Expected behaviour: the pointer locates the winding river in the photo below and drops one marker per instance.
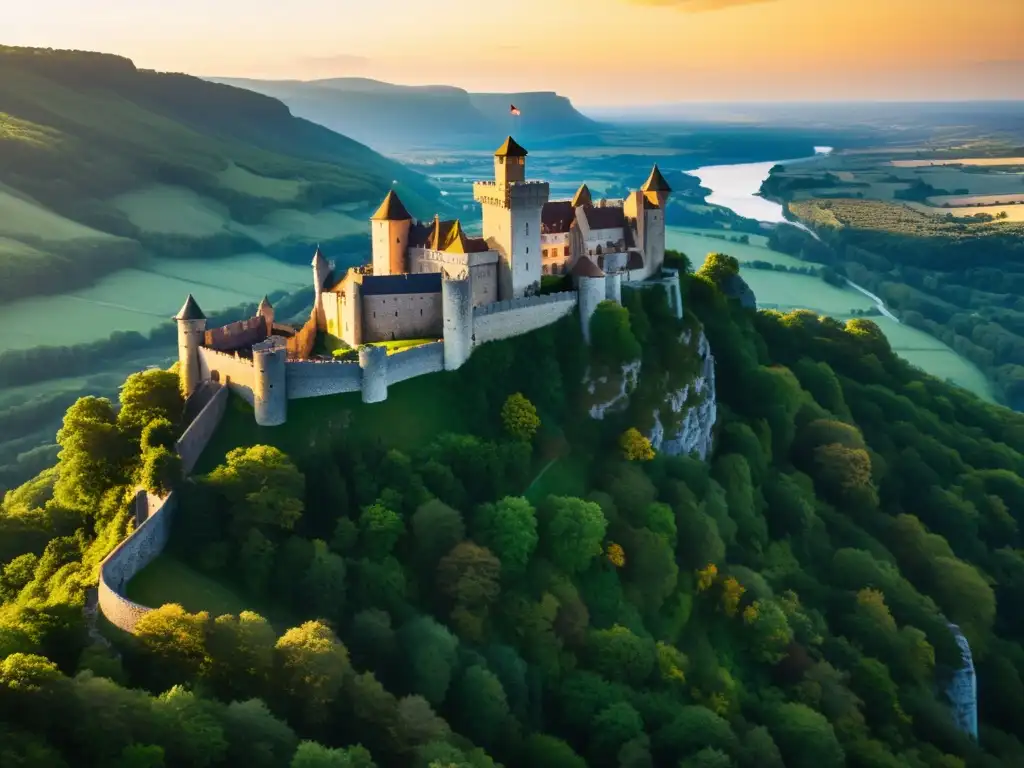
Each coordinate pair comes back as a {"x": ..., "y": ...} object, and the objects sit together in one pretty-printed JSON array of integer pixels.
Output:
[{"x": 737, "y": 187}]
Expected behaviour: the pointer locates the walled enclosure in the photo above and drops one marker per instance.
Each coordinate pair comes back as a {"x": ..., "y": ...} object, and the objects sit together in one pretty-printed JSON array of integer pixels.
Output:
[{"x": 153, "y": 520}]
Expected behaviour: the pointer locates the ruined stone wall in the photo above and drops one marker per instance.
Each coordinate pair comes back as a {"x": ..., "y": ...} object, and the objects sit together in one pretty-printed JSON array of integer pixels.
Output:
[
  {"x": 518, "y": 316},
  {"x": 316, "y": 379},
  {"x": 234, "y": 371},
  {"x": 192, "y": 442},
  {"x": 409, "y": 363},
  {"x": 402, "y": 316},
  {"x": 301, "y": 344},
  {"x": 133, "y": 554}
]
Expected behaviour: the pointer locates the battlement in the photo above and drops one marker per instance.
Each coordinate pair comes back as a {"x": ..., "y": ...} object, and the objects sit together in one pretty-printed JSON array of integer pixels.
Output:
[
  {"x": 521, "y": 193},
  {"x": 524, "y": 302}
]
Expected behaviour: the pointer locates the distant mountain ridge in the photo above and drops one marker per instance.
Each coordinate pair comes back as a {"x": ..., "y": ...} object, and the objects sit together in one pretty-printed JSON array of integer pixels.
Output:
[
  {"x": 387, "y": 116},
  {"x": 103, "y": 164}
]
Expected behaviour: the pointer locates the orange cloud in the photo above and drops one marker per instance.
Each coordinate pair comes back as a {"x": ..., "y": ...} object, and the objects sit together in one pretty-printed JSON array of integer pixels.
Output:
[{"x": 697, "y": 6}]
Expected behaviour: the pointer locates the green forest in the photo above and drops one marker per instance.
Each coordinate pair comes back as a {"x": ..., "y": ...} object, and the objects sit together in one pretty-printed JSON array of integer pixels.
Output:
[{"x": 428, "y": 604}]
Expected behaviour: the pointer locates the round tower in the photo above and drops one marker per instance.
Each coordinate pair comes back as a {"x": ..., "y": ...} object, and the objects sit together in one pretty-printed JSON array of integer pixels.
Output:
[
  {"x": 191, "y": 334},
  {"x": 592, "y": 291},
  {"x": 270, "y": 389},
  {"x": 613, "y": 287},
  {"x": 374, "y": 362},
  {"x": 389, "y": 228},
  {"x": 457, "y": 320}
]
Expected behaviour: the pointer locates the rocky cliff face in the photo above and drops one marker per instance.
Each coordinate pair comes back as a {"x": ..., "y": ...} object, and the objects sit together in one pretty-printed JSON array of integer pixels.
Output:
[
  {"x": 698, "y": 406},
  {"x": 684, "y": 422}
]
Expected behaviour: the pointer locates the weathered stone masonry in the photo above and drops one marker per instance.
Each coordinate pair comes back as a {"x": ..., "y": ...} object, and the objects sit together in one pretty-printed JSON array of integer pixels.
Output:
[{"x": 153, "y": 524}]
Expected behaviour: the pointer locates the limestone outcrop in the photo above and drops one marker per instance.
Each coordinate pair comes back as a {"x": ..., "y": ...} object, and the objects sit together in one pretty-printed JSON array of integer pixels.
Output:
[{"x": 694, "y": 406}]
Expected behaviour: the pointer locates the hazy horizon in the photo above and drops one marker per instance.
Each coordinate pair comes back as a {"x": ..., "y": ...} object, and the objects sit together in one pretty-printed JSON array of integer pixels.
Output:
[{"x": 664, "y": 51}]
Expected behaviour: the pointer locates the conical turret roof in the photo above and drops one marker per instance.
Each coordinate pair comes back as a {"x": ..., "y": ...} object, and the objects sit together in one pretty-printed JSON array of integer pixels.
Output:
[
  {"x": 190, "y": 310},
  {"x": 582, "y": 197},
  {"x": 264, "y": 304},
  {"x": 391, "y": 209},
  {"x": 656, "y": 182},
  {"x": 510, "y": 149},
  {"x": 318, "y": 257}
]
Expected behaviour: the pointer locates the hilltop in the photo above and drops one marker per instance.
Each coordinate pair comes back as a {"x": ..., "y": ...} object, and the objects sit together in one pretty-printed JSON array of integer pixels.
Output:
[
  {"x": 395, "y": 117},
  {"x": 103, "y": 164}
]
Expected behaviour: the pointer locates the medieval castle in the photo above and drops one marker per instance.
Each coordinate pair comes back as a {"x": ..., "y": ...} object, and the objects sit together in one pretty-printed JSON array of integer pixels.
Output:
[{"x": 431, "y": 281}]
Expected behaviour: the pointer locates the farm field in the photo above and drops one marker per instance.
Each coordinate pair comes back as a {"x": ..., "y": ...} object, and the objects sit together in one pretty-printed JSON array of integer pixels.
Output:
[
  {"x": 1014, "y": 213},
  {"x": 978, "y": 161},
  {"x": 142, "y": 298},
  {"x": 958, "y": 201},
  {"x": 696, "y": 244}
]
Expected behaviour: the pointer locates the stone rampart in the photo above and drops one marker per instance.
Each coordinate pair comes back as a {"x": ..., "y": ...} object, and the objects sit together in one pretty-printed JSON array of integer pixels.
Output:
[
  {"x": 514, "y": 317},
  {"x": 237, "y": 335},
  {"x": 301, "y": 344},
  {"x": 192, "y": 442},
  {"x": 231, "y": 370},
  {"x": 309, "y": 378},
  {"x": 417, "y": 361},
  {"x": 133, "y": 554}
]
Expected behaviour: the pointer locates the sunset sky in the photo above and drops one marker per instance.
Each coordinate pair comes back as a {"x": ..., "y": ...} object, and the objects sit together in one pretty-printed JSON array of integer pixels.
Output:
[{"x": 598, "y": 52}]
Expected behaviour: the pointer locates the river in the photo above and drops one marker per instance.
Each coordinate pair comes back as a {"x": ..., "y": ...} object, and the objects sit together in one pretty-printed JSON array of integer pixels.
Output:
[{"x": 737, "y": 187}]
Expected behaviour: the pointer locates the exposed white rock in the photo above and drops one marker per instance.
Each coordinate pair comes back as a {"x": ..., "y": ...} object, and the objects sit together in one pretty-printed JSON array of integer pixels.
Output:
[
  {"x": 628, "y": 378},
  {"x": 695, "y": 433}
]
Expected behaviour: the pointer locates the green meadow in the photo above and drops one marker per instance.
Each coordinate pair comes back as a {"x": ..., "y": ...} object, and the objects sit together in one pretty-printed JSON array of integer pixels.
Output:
[{"x": 141, "y": 298}]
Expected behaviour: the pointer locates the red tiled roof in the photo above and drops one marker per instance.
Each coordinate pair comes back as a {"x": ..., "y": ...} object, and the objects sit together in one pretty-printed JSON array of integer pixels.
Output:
[
  {"x": 584, "y": 267},
  {"x": 605, "y": 218},
  {"x": 556, "y": 216}
]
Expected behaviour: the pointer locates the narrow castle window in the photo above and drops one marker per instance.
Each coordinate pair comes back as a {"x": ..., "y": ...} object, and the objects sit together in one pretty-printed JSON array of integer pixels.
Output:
[{"x": 527, "y": 227}]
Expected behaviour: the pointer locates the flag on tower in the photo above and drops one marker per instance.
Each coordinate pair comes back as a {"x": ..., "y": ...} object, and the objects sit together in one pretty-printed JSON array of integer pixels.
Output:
[{"x": 515, "y": 110}]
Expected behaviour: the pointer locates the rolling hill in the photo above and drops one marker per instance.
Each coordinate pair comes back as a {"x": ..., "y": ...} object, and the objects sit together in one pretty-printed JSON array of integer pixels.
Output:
[
  {"x": 103, "y": 164},
  {"x": 398, "y": 117}
]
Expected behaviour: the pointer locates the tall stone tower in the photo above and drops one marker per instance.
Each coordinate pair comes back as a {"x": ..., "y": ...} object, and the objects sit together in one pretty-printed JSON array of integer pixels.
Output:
[
  {"x": 191, "y": 332},
  {"x": 389, "y": 228},
  {"x": 655, "y": 192},
  {"x": 270, "y": 393},
  {"x": 511, "y": 217}
]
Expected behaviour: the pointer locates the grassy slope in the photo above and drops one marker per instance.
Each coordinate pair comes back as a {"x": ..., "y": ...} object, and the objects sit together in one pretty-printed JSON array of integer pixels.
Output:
[{"x": 81, "y": 134}]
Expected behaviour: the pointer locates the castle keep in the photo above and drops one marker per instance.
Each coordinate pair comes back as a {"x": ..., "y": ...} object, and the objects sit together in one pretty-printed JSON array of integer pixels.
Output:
[{"x": 433, "y": 283}]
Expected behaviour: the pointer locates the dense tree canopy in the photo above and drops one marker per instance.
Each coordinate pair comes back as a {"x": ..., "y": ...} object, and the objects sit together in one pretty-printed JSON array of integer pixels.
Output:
[{"x": 491, "y": 599}]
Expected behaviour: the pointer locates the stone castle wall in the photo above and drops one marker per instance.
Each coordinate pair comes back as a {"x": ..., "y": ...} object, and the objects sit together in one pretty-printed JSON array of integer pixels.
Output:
[
  {"x": 234, "y": 371},
  {"x": 317, "y": 379},
  {"x": 417, "y": 361},
  {"x": 138, "y": 550},
  {"x": 195, "y": 437},
  {"x": 301, "y": 344},
  {"x": 504, "y": 319},
  {"x": 242, "y": 333},
  {"x": 401, "y": 316},
  {"x": 153, "y": 524}
]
